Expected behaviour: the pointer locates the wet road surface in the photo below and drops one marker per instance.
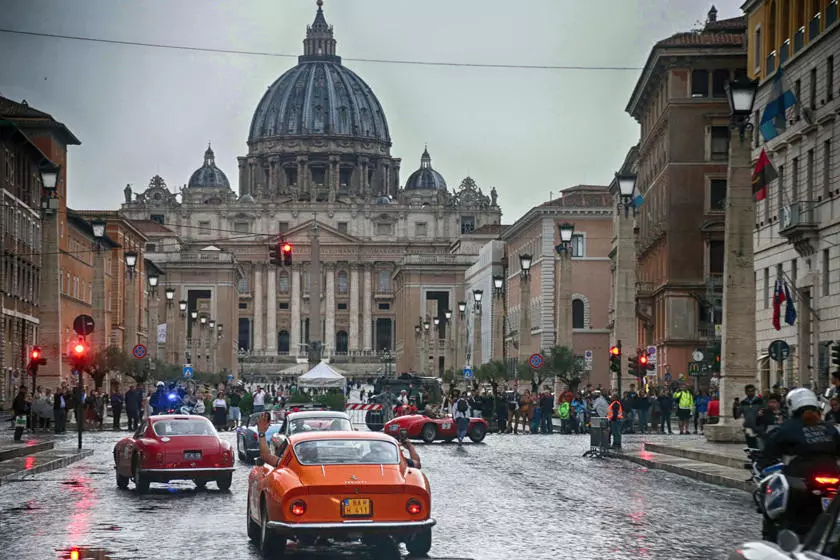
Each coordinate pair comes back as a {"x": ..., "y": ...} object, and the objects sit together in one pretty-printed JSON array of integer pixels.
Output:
[{"x": 521, "y": 496}]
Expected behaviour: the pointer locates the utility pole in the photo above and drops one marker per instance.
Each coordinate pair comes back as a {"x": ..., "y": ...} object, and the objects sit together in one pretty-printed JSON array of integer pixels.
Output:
[{"x": 315, "y": 347}]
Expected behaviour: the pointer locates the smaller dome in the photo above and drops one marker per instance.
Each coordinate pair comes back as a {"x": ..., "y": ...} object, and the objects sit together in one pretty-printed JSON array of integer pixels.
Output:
[
  {"x": 247, "y": 199},
  {"x": 208, "y": 175},
  {"x": 425, "y": 178}
]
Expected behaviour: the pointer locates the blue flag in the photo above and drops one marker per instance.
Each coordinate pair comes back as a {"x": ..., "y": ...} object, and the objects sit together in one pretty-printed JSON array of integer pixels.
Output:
[
  {"x": 790, "y": 310},
  {"x": 774, "y": 119},
  {"x": 638, "y": 200}
]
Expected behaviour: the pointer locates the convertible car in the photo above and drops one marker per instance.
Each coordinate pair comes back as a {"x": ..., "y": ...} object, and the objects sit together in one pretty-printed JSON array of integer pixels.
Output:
[
  {"x": 428, "y": 429},
  {"x": 174, "y": 447},
  {"x": 340, "y": 486}
]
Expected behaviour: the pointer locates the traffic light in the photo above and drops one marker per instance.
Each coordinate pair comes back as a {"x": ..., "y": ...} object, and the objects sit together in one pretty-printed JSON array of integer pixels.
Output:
[
  {"x": 287, "y": 254},
  {"x": 835, "y": 357},
  {"x": 634, "y": 365},
  {"x": 615, "y": 359},
  {"x": 36, "y": 358},
  {"x": 275, "y": 252},
  {"x": 79, "y": 355}
]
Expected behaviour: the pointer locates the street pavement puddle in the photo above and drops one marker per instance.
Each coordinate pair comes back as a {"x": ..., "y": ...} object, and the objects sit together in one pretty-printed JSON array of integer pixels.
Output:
[{"x": 84, "y": 553}]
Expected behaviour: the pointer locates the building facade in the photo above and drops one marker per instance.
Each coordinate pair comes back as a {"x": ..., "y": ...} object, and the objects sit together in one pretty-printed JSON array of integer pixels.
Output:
[
  {"x": 590, "y": 209},
  {"x": 319, "y": 157},
  {"x": 680, "y": 103},
  {"x": 797, "y": 222}
]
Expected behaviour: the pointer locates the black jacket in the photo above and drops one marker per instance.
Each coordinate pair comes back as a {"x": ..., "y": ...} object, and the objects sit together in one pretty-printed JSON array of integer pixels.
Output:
[
  {"x": 814, "y": 448},
  {"x": 19, "y": 405}
]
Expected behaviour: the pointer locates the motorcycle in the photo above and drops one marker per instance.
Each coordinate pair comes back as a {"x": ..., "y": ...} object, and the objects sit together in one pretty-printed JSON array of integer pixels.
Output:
[{"x": 785, "y": 501}]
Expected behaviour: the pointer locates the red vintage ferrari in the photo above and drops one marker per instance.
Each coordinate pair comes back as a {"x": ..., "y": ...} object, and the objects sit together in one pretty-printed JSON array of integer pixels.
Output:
[
  {"x": 428, "y": 429},
  {"x": 174, "y": 447}
]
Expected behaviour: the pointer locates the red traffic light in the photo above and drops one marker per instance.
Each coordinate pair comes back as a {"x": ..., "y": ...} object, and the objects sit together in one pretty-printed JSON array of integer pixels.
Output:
[
  {"x": 79, "y": 349},
  {"x": 643, "y": 359},
  {"x": 35, "y": 354},
  {"x": 615, "y": 351},
  {"x": 287, "y": 247}
]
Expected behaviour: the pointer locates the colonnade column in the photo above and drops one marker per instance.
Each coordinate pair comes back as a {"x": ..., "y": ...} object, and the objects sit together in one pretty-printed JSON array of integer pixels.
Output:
[
  {"x": 271, "y": 307},
  {"x": 329, "y": 303},
  {"x": 258, "y": 309},
  {"x": 294, "y": 338},
  {"x": 354, "y": 307},
  {"x": 367, "y": 294}
]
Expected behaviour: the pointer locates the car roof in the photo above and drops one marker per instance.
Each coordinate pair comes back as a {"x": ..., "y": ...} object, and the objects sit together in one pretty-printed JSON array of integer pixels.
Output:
[
  {"x": 366, "y": 436},
  {"x": 316, "y": 414}
]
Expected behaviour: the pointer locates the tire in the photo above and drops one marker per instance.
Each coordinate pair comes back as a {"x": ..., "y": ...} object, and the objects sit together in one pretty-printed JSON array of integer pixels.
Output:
[
  {"x": 420, "y": 544},
  {"x": 141, "y": 484},
  {"x": 239, "y": 453},
  {"x": 200, "y": 484},
  {"x": 477, "y": 433},
  {"x": 224, "y": 482},
  {"x": 428, "y": 433},
  {"x": 769, "y": 530},
  {"x": 387, "y": 548},
  {"x": 122, "y": 481},
  {"x": 271, "y": 544},
  {"x": 253, "y": 527}
]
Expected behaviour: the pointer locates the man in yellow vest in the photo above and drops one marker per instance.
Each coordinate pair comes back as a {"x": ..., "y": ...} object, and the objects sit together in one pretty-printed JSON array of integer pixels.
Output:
[
  {"x": 685, "y": 404},
  {"x": 615, "y": 414}
]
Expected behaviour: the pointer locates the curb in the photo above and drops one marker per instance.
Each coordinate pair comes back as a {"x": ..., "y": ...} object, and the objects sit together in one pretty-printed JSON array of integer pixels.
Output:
[
  {"x": 697, "y": 455},
  {"x": 695, "y": 474},
  {"x": 24, "y": 449},
  {"x": 47, "y": 466}
]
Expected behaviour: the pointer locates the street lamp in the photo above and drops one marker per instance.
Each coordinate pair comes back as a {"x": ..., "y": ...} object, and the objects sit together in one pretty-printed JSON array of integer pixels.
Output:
[
  {"x": 426, "y": 325},
  {"x": 170, "y": 296},
  {"x": 153, "y": 279},
  {"x": 417, "y": 330},
  {"x": 477, "y": 295},
  {"x": 194, "y": 315},
  {"x": 130, "y": 262},
  {"x": 98, "y": 229},
  {"x": 498, "y": 285},
  {"x": 741, "y": 95},
  {"x": 203, "y": 320},
  {"x": 219, "y": 329},
  {"x": 182, "y": 306},
  {"x": 525, "y": 264},
  {"x": 462, "y": 308},
  {"x": 212, "y": 323},
  {"x": 437, "y": 322},
  {"x": 626, "y": 190},
  {"x": 448, "y": 315},
  {"x": 49, "y": 181}
]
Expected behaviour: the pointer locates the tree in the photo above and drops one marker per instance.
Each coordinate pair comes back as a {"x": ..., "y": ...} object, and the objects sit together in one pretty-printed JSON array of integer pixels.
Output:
[
  {"x": 562, "y": 363},
  {"x": 105, "y": 361},
  {"x": 493, "y": 372}
]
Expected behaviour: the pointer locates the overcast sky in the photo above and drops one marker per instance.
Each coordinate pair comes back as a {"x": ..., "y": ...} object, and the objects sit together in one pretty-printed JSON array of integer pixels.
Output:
[{"x": 141, "y": 111}]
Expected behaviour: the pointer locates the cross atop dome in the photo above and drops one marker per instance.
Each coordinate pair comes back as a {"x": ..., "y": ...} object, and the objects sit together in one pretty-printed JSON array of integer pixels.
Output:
[{"x": 320, "y": 42}]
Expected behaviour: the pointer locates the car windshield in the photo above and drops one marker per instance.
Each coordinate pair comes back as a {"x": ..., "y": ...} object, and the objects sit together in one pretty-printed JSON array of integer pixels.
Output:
[
  {"x": 183, "y": 427},
  {"x": 347, "y": 452},
  {"x": 321, "y": 424}
]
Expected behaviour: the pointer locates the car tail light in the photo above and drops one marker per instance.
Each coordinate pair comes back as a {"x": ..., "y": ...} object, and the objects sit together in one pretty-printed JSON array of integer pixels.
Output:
[
  {"x": 226, "y": 457},
  {"x": 827, "y": 480},
  {"x": 298, "y": 508},
  {"x": 414, "y": 507}
]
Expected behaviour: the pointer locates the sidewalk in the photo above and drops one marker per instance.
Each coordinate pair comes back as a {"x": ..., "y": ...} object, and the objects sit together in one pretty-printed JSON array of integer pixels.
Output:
[
  {"x": 35, "y": 454},
  {"x": 721, "y": 464}
]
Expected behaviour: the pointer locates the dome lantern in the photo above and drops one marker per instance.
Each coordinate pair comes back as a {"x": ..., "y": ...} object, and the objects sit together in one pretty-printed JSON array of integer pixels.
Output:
[
  {"x": 320, "y": 42},
  {"x": 425, "y": 178},
  {"x": 208, "y": 175}
]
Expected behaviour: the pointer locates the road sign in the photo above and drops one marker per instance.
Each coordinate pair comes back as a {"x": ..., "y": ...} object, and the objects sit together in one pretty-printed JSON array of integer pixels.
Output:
[
  {"x": 536, "y": 361},
  {"x": 230, "y": 377},
  {"x": 83, "y": 325},
  {"x": 139, "y": 351},
  {"x": 694, "y": 369},
  {"x": 651, "y": 352},
  {"x": 779, "y": 350},
  {"x": 468, "y": 373},
  {"x": 587, "y": 355},
  {"x": 188, "y": 371}
]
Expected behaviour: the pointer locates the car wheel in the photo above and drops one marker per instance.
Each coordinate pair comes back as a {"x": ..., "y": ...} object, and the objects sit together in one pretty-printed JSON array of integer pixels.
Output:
[
  {"x": 224, "y": 482},
  {"x": 387, "y": 548},
  {"x": 420, "y": 544},
  {"x": 200, "y": 484},
  {"x": 477, "y": 433},
  {"x": 122, "y": 481},
  {"x": 140, "y": 481},
  {"x": 769, "y": 530},
  {"x": 428, "y": 433},
  {"x": 271, "y": 544},
  {"x": 254, "y": 529}
]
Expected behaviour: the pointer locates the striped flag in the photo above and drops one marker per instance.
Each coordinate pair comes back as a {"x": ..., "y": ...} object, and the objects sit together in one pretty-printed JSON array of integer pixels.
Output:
[
  {"x": 774, "y": 118},
  {"x": 778, "y": 300},
  {"x": 763, "y": 174}
]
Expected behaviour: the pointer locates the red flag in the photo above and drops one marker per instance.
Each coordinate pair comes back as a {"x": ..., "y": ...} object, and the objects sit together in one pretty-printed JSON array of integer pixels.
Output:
[
  {"x": 778, "y": 299},
  {"x": 763, "y": 174}
]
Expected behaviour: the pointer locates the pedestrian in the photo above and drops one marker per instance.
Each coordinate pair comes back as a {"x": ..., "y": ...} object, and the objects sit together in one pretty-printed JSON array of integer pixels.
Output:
[
  {"x": 547, "y": 404},
  {"x": 117, "y": 400},
  {"x": 749, "y": 408},
  {"x": 259, "y": 400},
  {"x": 235, "y": 413},
  {"x": 701, "y": 404},
  {"x": 685, "y": 403},
  {"x": 600, "y": 404},
  {"x": 642, "y": 406},
  {"x": 20, "y": 409},
  {"x": 133, "y": 402},
  {"x": 60, "y": 402},
  {"x": 655, "y": 411},
  {"x": 220, "y": 409},
  {"x": 461, "y": 414},
  {"x": 615, "y": 415}
]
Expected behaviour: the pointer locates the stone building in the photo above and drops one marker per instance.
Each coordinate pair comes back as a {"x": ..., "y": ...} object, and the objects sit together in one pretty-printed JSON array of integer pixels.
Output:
[
  {"x": 586, "y": 285},
  {"x": 319, "y": 152},
  {"x": 797, "y": 223},
  {"x": 680, "y": 103}
]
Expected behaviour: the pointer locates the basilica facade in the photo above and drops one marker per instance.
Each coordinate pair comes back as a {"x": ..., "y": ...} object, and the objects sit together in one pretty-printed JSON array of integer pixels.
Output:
[{"x": 392, "y": 255}]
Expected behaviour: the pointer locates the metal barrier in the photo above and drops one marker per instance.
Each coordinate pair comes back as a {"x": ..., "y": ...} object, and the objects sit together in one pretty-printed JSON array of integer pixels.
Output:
[
  {"x": 599, "y": 437},
  {"x": 368, "y": 416}
]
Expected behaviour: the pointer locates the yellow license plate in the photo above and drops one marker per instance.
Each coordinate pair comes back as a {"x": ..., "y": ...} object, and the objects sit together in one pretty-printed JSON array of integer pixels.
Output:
[{"x": 356, "y": 507}]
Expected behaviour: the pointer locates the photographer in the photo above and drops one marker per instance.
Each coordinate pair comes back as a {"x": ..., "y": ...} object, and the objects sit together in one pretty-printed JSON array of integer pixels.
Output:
[{"x": 413, "y": 458}]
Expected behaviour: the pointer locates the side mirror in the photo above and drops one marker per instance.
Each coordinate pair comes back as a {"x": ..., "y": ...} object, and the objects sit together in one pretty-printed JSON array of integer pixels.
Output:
[{"x": 788, "y": 540}]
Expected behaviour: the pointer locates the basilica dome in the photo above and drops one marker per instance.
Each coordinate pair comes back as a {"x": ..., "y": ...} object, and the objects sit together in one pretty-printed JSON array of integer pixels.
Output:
[
  {"x": 425, "y": 178},
  {"x": 208, "y": 175},
  {"x": 319, "y": 96}
]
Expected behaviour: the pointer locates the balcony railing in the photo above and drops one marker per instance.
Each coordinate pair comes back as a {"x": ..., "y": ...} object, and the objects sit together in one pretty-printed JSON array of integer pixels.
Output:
[
  {"x": 707, "y": 331},
  {"x": 771, "y": 62},
  {"x": 830, "y": 13},
  {"x": 814, "y": 27},
  {"x": 784, "y": 52},
  {"x": 799, "y": 39},
  {"x": 644, "y": 289},
  {"x": 796, "y": 217},
  {"x": 384, "y": 292}
]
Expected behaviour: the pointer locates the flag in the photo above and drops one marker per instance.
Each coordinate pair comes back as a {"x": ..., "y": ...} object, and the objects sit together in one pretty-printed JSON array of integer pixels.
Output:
[
  {"x": 790, "y": 310},
  {"x": 774, "y": 119},
  {"x": 778, "y": 299},
  {"x": 763, "y": 174},
  {"x": 637, "y": 200}
]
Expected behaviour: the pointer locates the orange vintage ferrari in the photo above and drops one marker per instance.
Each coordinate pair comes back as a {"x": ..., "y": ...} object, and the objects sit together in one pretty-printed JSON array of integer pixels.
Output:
[{"x": 331, "y": 487}]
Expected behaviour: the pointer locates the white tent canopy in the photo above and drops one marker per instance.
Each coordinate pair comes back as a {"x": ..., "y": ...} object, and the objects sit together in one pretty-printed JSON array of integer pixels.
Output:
[{"x": 322, "y": 375}]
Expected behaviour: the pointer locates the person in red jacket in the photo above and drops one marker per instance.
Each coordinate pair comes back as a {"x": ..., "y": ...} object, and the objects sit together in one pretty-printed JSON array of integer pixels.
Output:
[{"x": 714, "y": 409}]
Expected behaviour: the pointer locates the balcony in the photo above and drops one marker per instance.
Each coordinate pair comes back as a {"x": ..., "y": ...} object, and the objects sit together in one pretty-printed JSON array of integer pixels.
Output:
[
  {"x": 644, "y": 289},
  {"x": 830, "y": 13},
  {"x": 784, "y": 52},
  {"x": 708, "y": 331},
  {"x": 383, "y": 292},
  {"x": 814, "y": 27},
  {"x": 798, "y": 224},
  {"x": 771, "y": 63},
  {"x": 799, "y": 39}
]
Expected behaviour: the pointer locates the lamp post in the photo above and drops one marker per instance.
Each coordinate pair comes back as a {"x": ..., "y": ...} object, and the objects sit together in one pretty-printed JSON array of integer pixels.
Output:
[
  {"x": 130, "y": 301},
  {"x": 624, "y": 287},
  {"x": 50, "y": 329},
  {"x": 478, "y": 355},
  {"x": 448, "y": 354},
  {"x": 418, "y": 331},
  {"x": 426, "y": 326},
  {"x": 152, "y": 317},
  {"x": 499, "y": 317},
  {"x": 388, "y": 360},
  {"x": 182, "y": 310},
  {"x": 100, "y": 336},
  {"x": 739, "y": 334},
  {"x": 563, "y": 295},
  {"x": 525, "y": 262},
  {"x": 211, "y": 342}
]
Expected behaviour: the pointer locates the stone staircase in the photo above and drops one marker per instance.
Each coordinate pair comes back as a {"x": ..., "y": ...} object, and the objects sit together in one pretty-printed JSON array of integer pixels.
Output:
[{"x": 34, "y": 455}]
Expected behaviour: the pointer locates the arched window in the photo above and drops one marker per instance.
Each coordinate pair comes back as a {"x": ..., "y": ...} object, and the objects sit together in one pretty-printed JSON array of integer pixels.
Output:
[
  {"x": 341, "y": 342},
  {"x": 578, "y": 314},
  {"x": 283, "y": 342},
  {"x": 342, "y": 282}
]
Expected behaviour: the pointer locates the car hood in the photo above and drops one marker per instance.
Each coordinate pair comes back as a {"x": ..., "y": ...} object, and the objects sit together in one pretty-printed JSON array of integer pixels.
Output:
[{"x": 759, "y": 550}]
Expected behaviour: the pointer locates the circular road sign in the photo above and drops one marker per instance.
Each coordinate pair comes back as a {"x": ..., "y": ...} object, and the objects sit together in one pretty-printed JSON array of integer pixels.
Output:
[
  {"x": 779, "y": 350},
  {"x": 83, "y": 325},
  {"x": 139, "y": 351},
  {"x": 536, "y": 361}
]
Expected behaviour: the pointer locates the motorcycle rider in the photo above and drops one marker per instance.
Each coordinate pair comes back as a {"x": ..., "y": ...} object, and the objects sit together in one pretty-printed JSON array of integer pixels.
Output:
[
  {"x": 159, "y": 400},
  {"x": 809, "y": 447}
]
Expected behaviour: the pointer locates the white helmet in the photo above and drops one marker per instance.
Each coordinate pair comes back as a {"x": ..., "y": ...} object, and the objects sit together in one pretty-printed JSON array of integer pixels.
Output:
[
  {"x": 800, "y": 398},
  {"x": 160, "y": 384}
]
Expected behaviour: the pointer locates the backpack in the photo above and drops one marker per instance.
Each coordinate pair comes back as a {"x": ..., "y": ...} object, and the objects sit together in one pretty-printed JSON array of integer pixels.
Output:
[{"x": 462, "y": 405}]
